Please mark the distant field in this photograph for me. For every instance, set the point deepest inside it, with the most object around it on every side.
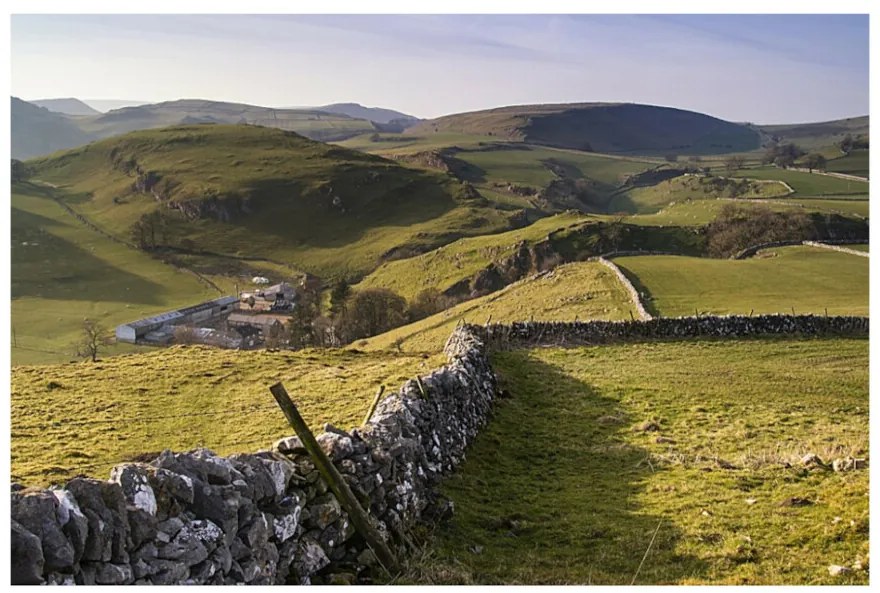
(62, 272)
(444, 266)
(586, 290)
(855, 163)
(529, 165)
(560, 487)
(806, 278)
(646, 200)
(807, 184)
(87, 417)
(702, 212)
(391, 144)
(858, 247)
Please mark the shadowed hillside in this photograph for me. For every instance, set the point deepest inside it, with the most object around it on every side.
(36, 131)
(603, 127)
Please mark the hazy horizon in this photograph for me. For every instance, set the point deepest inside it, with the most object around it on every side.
(746, 68)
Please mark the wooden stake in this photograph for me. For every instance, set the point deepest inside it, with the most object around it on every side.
(334, 479)
(374, 404)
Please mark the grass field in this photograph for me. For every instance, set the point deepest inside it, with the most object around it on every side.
(63, 272)
(561, 487)
(807, 184)
(855, 163)
(701, 212)
(808, 279)
(586, 290)
(87, 417)
(446, 265)
(529, 166)
(647, 200)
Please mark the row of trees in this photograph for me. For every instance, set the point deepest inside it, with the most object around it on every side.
(354, 315)
(739, 226)
(848, 143)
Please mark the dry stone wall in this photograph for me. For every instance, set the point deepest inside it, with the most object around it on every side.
(526, 334)
(269, 517)
(262, 518)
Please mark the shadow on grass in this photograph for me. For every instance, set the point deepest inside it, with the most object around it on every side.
(548, 494)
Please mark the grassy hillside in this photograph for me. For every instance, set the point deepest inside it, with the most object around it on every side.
(586, 290)
(562, 488)
(259, 192)
(36, 130)
(819, 134)
(691, 187)
(449, 264)
(855, 163)
(62, 272)
(807, 184)
(180, 398)
(807, 278)
(602, 127)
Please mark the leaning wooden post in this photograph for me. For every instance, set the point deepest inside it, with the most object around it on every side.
(374, 404)
(334, 479)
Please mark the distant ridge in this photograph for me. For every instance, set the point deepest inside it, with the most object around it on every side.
(68, 106)
(376, 114)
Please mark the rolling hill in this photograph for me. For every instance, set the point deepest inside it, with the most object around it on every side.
(818, 134)
(374, 114)
(249, 191)
(620, 128)
(69, 106)
(37, 131)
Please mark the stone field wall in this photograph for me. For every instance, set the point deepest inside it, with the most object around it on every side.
(269, 518)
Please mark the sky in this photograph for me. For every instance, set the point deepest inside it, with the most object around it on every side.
(756, 68)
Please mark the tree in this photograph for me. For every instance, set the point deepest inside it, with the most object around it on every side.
(737, 227)
(426, 303)
(815, 160)
(734, 163)
(846, 144)
(782, 155)
(372, 311)
(20, 171)
(94, 338)
(338, 296)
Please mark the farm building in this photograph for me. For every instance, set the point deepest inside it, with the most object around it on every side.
(267, 324)
(279, 297)
(139, 330)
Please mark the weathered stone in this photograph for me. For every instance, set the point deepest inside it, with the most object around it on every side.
(133, 478)
(256, 534)
(170, 527)
(220, 505)
(27, 556)
(73, 522)
(336, 446)
(324, 511)
(285, 526)
(36, 512)
(837, 570)
(169, 572)
(141, 526)
(171, 484)
(291, 444)
(113, 574)
(309, 559)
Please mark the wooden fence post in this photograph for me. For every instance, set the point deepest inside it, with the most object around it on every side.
(374, 404)
(337, 483)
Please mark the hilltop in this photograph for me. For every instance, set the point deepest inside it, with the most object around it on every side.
(68, 106)
(254, 192)
(375, 114)
(36, 131)
(624, 128)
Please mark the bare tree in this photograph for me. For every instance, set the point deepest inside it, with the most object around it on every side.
(94, 338)
(814, 160)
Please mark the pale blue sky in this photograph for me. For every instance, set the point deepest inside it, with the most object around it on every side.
(759, 68)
